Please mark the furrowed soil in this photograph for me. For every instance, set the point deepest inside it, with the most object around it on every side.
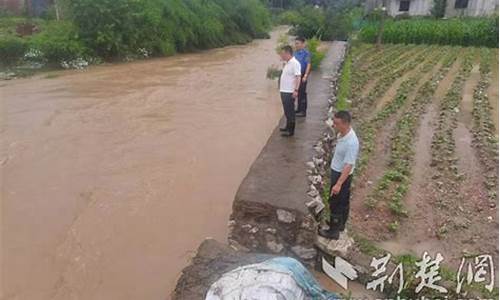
(374, 222)
(493, 92)
(467, 227)
(417, 233)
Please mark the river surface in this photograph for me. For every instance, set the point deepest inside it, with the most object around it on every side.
(111, 177)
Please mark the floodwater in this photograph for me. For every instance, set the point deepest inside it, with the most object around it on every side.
(112, 177)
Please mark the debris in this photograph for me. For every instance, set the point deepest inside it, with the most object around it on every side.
(303, 252)
(274, 247)
(254, 230)
(317, 204)
(276, 278)
(246, 226)
(271, 230)
(285, 216)
(313, 193)
(340, 247)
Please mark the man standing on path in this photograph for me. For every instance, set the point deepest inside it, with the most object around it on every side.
(343, 162)
(289, 88)
(304, 58)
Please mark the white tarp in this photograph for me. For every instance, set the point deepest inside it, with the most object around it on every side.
(280, 278)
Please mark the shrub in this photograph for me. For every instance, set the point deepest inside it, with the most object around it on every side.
(457, 31)
(59, 42)
(316, 55)
(438, 8)
(289, 17)
(344, 85)
(116, 28)
(311, 23)
(341, 23)
(336, 22)
(12, 49)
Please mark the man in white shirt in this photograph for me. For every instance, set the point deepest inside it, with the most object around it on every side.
(342, 167)
(289, 88)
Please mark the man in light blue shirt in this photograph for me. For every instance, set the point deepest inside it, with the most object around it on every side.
(343, 163)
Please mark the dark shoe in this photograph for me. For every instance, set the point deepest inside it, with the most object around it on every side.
(300, 114)
(284, 129)
(329, 234)
(287, 133)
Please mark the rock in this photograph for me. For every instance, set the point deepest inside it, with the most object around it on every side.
(315, 179)
(271, 230)
(285, 216)
(318, 161)
(341, 247)
(313, 193)
(274, 247)
(308, 224)
(316, 205)
(7, 75)
(254, 230)
(237, 246)
(246, 226)
(303, 252)
(310, 165)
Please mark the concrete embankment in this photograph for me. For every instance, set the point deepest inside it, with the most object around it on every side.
(269, 212)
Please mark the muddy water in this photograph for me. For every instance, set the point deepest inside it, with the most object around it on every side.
(113, 176)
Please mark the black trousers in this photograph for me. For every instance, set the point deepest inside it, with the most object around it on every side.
(302, 102)
(289, 110)
(339, 204)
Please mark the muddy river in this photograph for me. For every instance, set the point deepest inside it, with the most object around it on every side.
(111, 177)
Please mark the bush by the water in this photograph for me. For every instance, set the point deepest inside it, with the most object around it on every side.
(457, 31)
(334, 22)
(124, 29)
(59, 42)
(12, 49)
(117, 28)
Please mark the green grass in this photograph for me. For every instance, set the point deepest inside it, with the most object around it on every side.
(344, 90)
(456, 31)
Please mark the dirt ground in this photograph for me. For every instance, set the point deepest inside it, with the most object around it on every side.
(445, 213)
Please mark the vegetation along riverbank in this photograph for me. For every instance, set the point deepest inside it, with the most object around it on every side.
(89, 31)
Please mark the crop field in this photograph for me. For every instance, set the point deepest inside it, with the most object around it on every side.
(427, 178)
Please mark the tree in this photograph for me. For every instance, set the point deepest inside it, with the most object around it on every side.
(438, 8)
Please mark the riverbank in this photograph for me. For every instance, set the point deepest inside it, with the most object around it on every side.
(269, 211)
(88, 31)
(117, 173)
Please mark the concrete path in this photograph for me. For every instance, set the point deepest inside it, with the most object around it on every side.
(269, 212)
(278, 176)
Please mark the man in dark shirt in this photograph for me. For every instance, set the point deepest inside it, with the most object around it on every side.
(304, 58)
